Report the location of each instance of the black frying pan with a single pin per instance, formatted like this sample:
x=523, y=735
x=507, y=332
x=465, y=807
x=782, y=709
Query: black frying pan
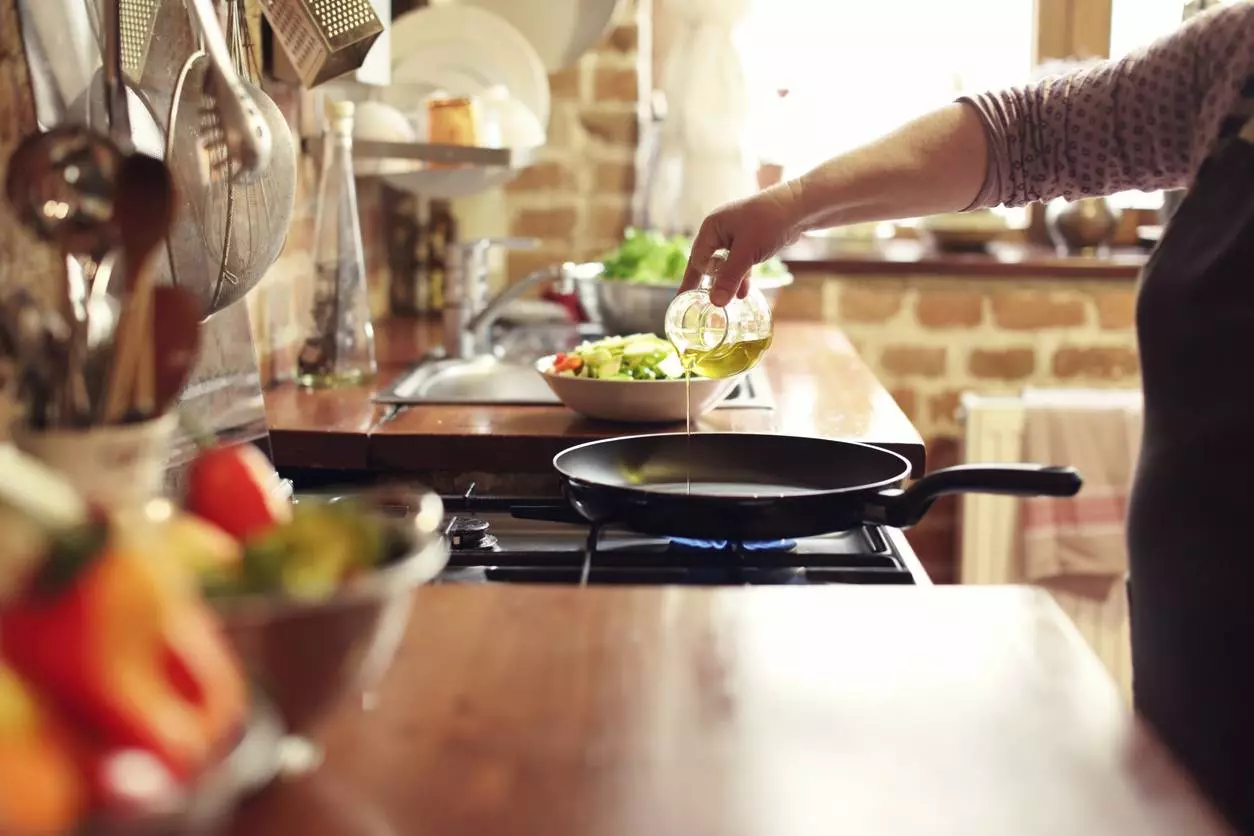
x=749, y=487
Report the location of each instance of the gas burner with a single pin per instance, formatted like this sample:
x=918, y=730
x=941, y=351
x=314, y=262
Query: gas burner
x=687, y=544
x=470, y=534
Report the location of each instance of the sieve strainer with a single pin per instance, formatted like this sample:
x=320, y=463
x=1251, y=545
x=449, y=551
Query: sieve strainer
x=227, y=234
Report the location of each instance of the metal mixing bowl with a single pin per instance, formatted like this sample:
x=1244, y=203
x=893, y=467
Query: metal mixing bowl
x=633, y=308
x=310, y=655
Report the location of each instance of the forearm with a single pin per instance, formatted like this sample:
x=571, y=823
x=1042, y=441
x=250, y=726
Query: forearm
x=936, y=163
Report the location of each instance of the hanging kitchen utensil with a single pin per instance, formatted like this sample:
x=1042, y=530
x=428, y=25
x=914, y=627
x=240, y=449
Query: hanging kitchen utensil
x=756, y=487
x=230, y=233
x=61, y=184
x=324, y=39
x=137, y=17
x=236, y=134
x=115, y=83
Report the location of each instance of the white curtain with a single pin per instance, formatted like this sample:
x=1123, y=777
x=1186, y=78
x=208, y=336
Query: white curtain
x=703, y=159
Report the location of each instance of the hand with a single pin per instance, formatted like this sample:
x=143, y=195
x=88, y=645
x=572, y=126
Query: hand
x=752, y=230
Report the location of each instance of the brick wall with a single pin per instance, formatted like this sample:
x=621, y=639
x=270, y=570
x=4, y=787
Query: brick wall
x=576, y=199
x=930, y=338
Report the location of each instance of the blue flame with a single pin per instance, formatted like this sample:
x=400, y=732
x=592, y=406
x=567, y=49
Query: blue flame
x=727, y=545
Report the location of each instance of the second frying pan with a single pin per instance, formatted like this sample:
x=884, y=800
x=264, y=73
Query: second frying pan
x=755, y=487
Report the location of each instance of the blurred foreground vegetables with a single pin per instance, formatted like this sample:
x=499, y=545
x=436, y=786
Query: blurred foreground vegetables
x=112, y=666
x=234, y=487
x=118, y=687
x=323, y=546
x=131, y=651
x=304, y=552
x=42, y=792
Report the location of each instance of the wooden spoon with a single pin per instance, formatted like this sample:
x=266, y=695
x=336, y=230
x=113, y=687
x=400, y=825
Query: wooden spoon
x=175, y=344
x=144, y=210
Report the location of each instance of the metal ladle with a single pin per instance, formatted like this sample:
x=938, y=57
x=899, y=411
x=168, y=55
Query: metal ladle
x=61, y=185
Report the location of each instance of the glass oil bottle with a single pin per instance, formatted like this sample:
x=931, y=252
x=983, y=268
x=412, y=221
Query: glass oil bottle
x=339, y=347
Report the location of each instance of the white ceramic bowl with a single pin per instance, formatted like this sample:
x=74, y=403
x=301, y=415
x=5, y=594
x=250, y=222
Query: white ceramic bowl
x=380, y=122
x=635, y=401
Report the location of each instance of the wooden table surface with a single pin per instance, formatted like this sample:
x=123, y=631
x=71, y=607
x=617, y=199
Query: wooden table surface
x=963, y=711
x=821, y=388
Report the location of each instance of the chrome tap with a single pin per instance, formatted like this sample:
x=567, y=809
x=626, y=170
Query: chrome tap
x=466, y=289
x=480, y=324
x=469, y=313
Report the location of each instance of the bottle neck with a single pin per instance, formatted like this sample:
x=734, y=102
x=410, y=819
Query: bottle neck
x=340, y=133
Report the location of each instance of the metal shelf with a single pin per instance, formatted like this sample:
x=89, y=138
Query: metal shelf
x=459, y=155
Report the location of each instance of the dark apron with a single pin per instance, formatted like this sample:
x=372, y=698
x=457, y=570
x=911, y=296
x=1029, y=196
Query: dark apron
x=1192, y=511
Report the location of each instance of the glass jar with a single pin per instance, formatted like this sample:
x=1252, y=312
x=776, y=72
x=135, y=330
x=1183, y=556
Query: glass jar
x=339, y=347
x=719, y=342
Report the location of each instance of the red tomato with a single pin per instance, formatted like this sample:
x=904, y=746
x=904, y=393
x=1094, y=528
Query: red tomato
x=235, y=488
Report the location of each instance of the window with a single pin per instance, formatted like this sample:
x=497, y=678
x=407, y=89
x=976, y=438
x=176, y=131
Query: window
x=854, y=70
x=1137, y=23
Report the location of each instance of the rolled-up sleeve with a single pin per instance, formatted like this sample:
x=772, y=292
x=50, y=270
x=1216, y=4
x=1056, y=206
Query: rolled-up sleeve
x=1146, y=121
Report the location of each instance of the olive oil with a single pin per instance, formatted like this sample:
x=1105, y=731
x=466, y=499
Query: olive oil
x=725, y=360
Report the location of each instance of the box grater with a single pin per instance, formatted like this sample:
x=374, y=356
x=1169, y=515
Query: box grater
x=137, y=18
x=323, y=39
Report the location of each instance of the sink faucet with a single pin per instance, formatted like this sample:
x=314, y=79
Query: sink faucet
x=469, y=314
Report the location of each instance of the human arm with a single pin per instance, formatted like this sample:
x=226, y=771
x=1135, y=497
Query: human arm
x=935, y=163
x=1145, y=121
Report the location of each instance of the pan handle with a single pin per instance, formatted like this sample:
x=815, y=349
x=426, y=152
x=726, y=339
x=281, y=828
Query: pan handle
x=902, y=509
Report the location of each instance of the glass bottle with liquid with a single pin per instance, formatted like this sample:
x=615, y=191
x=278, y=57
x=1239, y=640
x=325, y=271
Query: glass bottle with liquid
x=339, y=347
x=718, y=342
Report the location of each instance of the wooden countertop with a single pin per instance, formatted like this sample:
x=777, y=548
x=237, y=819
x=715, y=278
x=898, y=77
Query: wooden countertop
x=821, y=388
x=775, y=711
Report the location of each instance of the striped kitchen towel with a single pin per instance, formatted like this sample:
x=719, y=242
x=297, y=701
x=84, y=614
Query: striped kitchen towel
x=1098, y=432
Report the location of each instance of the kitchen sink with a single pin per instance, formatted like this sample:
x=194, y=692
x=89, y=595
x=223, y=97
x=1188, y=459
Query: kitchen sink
x=476, y=380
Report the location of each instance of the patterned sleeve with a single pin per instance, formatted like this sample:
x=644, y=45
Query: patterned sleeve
x=1146, y=121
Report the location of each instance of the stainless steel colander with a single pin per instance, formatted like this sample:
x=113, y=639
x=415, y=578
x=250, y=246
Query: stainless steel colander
x=227, y=234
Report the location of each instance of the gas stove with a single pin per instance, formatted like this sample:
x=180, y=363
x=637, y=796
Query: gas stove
x=498, y=540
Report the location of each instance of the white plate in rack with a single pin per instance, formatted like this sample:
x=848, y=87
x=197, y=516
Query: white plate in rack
x=474, y=46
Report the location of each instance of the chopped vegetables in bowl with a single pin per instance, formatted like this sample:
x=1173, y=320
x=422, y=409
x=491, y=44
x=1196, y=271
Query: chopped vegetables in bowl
x=633, y=357
x=635, y=379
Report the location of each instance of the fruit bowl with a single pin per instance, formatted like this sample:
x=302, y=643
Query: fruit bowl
x=309, y=655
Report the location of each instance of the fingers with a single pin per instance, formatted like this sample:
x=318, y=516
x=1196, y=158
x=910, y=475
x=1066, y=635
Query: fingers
x=730, y=280
x=703, y=248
